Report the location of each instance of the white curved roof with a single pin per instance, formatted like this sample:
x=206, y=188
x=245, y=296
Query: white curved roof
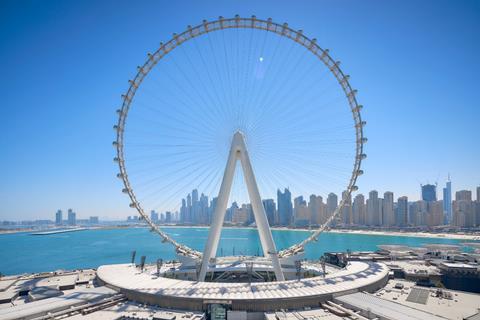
x=356, y=276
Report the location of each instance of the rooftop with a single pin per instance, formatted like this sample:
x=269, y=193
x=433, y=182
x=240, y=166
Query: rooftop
x=461, y=305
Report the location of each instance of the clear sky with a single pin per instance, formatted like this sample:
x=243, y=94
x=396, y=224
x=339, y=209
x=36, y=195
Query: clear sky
x=66, y=63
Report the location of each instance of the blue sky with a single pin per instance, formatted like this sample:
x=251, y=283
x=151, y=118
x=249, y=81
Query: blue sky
x=66, y=63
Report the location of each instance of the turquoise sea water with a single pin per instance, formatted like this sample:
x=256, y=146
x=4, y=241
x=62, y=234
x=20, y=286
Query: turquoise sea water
x=24, y=253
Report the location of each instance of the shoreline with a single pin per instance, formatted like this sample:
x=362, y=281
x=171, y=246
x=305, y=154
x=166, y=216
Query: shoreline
x=453, y=236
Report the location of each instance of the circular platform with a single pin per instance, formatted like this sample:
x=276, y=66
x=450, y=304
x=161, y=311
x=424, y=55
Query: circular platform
x=260, y=296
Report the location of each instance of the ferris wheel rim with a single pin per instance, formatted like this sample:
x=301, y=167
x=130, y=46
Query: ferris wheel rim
x=235, y=23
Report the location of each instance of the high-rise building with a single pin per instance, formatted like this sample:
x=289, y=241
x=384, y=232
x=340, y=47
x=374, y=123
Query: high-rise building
x=154, y=216
x=270, y=211
x=183, y=211
x=211, y=209
x=203, y=210
x=388, y=218
x=435, y=216
x=464, y=208
x=285, y=209
x=194, y=196
x=478, y=194
x=301, y=212
x=168, y=217
x=359, y=210
x=401, y=218
x=240, y=215
x=464, y=213
x=189, y=218
x=93, y=220
x=72, y=219
x=332, y=204
x=195, y=207
x=318, y=210
x=374, y=209
x=447, y=201
x=59, y=217
x=429, y=192
x=418, y=213
x=463, y=195
x=346, y=216
x=231, y=211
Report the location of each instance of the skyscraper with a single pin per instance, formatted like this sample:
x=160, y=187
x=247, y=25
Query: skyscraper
x=317, y=210
x=332, y=204
x=374, y=210
x=194, y=196
x=183, y=211
x=195, y=207
x=401, y=218
x=388, y=218
x=188, y=215
x=59, y=217
x=301, y=212
x=435, y=216
x=72, y=219
x=463, y=195
x=240, y=215
x=429, y=192
x=447, y=201
x=168, y=217
x=154, y=216
x=285, y=209
x=464, y=210
x=478, y=194
x=359, y=210
x=211, y=209
x=346, y=217
x=93, y=220
x=203, y=210
x=231, y=212
x=270, y=210
x=418, y=213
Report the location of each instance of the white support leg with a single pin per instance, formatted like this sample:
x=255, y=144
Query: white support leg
x=219, y=213
x=266, y=239
x=238, y=151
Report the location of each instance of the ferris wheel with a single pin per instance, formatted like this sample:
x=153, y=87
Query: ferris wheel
x=285, y=94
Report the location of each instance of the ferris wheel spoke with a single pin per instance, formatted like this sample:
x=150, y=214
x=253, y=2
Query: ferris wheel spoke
x=213, y=83
x=282, y=85
x=200, y=129
x=287, y=102
x=268, y=63
x=186, y=94
x=214, y=102
x=206, y=109
x=148, y=169
x=174, y=195
x=221, y=76
x=187, y=173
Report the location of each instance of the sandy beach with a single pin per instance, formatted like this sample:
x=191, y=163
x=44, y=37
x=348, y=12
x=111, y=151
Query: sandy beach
x=456, y=236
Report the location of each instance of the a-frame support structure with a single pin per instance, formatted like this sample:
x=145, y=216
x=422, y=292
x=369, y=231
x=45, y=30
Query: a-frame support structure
x=238, y=151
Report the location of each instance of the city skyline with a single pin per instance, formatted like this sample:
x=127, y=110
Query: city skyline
x=390, y=211
x=72, y=111
x=429, y=211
